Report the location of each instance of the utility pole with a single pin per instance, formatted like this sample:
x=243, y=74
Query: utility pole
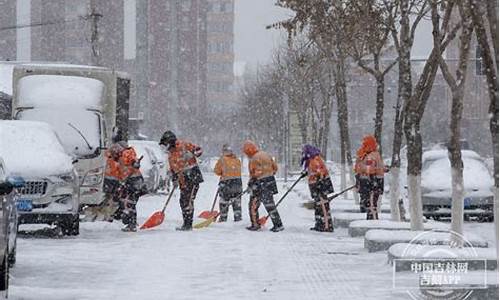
x=173, y=64
x=94, y=17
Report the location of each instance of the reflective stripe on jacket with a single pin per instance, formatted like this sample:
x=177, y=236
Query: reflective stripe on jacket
x=182, y=157
x=370, y=164
x=262, y=165
x=228, y=167
x=316, y=169
x=127, y=159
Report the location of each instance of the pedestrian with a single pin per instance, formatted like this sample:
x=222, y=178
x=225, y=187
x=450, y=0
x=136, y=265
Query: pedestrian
x=320, y=185
x=262, y=186
x=228, y=168
x=133, y=186
x=113, y=178
x=185, y=173
x=369, y=169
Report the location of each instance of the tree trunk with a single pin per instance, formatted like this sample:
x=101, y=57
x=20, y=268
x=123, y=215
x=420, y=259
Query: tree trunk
x=492, y=79
x=457, y=176
x=343, y=118
x=379, y=111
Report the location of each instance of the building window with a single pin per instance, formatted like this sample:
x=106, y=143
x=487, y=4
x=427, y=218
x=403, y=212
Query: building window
x=186, y=5
x=480, y=67
x=129, y=29
x=185, y=23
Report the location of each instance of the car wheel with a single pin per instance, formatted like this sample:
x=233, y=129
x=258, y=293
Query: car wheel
x=12, y=256
x=71, y=226
x=4, y=273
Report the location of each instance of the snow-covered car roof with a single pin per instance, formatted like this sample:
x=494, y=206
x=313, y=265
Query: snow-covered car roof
x=436, y=174
x=438, y=154
x=32, y=149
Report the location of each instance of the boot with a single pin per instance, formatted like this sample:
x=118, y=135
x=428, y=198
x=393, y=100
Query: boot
x=184, y=228
x=253, y=227
x=316, y=228
x=129, y=228
x=277, y=228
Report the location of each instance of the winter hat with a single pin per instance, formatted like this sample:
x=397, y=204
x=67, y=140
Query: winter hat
x=308, y=152
x=250, y=148
x=227, y=149
x=369, y=144
x=168, y=138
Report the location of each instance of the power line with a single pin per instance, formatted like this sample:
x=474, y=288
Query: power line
x=55, y=22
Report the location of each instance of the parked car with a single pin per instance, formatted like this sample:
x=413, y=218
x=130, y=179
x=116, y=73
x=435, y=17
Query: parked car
x=161, y=161
x=8, y=223
x=436, y=185
x=150, y=166
x=51, y=191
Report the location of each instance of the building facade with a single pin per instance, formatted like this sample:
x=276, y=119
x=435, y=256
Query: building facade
x=161, y=44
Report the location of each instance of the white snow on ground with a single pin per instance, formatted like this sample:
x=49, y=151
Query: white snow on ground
x=223, y=261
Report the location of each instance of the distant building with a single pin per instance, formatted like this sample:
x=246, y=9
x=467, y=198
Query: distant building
x=220, y=54
x=161, y=44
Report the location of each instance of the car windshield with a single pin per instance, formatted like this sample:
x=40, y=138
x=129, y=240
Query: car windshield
x=79, y=130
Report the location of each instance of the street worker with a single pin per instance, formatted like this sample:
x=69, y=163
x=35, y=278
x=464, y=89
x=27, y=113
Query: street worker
x=185, y=173
x=262, y=186
x=228, y=168
x=113, y=177
x=369, y=169
x=320, y=185
x=133, y=186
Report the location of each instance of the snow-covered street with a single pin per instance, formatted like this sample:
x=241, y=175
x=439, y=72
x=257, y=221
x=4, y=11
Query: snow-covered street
x=223, y=261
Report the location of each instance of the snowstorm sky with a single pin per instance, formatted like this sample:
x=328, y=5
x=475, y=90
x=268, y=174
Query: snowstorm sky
x=254, y=43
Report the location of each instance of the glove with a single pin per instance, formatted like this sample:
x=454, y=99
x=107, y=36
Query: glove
x=251, y=184
x=136, y=164
x=303, y=174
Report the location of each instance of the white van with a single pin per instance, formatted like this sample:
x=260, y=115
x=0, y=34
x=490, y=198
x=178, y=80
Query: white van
x=80, y=102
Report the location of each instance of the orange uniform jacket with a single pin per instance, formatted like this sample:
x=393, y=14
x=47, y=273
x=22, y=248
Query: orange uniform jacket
x=316, y=169
x=370, y=164
x=228, y=167
x=113, y=168
x=127, y=160
x=262, y=165
x=182, y=157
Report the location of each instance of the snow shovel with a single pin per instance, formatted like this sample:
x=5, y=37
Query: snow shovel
x=212, y=219
x=262, y=221
x=209, y=214
x=330, y=198
x=158, y=217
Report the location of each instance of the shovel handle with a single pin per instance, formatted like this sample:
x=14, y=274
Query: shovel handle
x=215, y=200
x=330, y=198
x=168, y=199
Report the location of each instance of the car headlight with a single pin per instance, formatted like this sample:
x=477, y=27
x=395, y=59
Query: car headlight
x=93, y=177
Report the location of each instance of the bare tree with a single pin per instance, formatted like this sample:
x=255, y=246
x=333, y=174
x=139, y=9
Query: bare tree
x=408, y=14
x=457, y=86
x=414, y=107
x=484, y=18
x=370, y=36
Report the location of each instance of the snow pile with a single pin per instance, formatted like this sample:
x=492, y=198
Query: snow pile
x=419, y=237
x=32, y=149
x=60, y=91
x=359, y=228
x=405, y=250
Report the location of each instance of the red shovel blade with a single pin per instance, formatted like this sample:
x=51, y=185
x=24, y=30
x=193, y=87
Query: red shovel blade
x=208, y=214
x=262, y=221
x=153, y=221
